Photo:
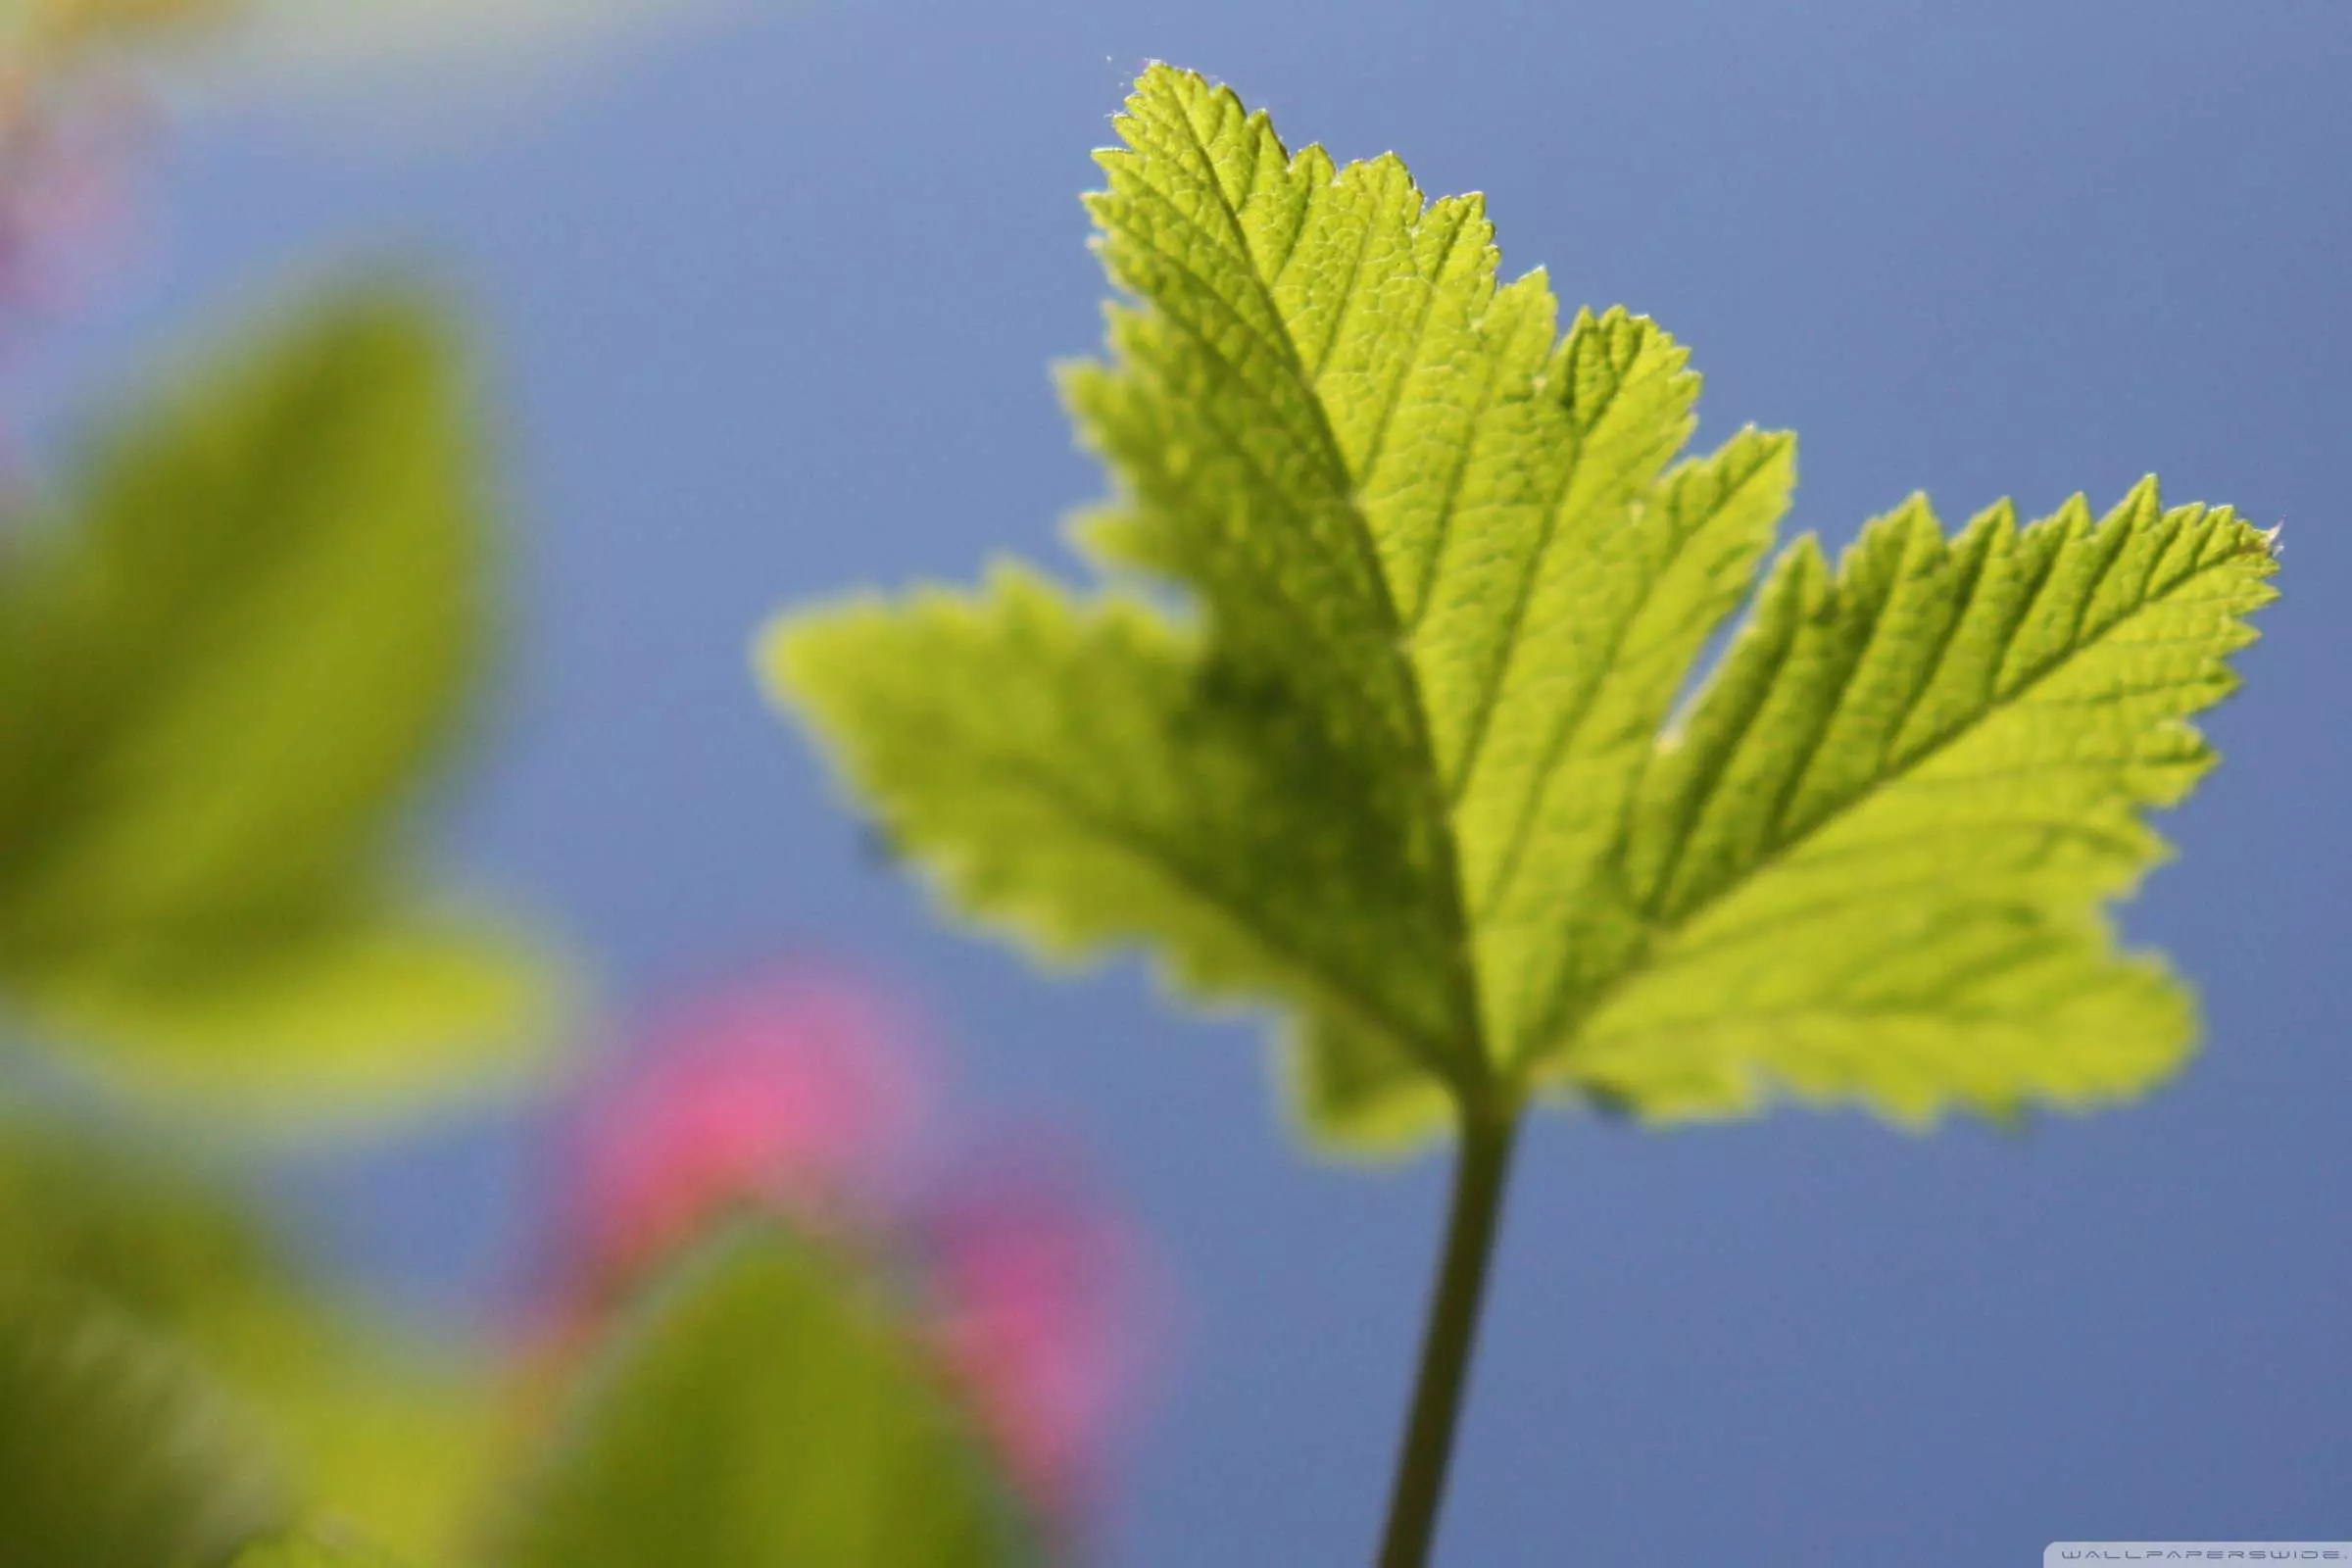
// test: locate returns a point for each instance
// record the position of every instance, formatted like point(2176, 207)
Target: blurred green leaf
point(96, 1213)
point(385, 1433)
point(226, 665)
point(311, 1548)
point(390, 1434)
point(114, 1453)
point(765, 1409)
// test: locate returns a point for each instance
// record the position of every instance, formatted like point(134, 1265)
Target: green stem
point(1479, 1180)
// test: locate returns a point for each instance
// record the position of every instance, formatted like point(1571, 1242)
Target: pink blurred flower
point(1036, 1293)
point(67, 141)
point(65, 147)
point(795, 1092)
point(805, 1095)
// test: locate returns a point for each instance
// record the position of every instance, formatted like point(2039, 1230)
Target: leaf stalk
point(1488, 1134)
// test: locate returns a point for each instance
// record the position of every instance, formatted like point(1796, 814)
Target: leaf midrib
point(1455, 916)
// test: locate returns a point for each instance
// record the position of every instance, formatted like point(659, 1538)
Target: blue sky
point(770, 303)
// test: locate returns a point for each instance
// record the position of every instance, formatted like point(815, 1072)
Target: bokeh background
point(768, 293)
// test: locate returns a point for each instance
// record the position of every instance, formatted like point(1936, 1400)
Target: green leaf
point(312, 1549)
point(1872, 861)
point(765, 1409)
point(114, 1450)
point(228, 665)
point(352, 1414)
point(1407, 765)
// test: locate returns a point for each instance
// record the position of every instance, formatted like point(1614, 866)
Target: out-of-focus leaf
point(366, 1013)
point(114, 1453)
point(358, 61)
point(766, 1409)
point(383, 1431)
point(226, 667)
point(370, 56)
point(47, 29)
point(312, 1549)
